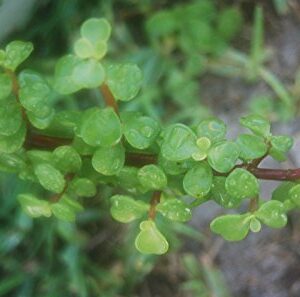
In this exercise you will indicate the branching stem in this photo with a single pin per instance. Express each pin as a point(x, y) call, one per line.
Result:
point(109, 98)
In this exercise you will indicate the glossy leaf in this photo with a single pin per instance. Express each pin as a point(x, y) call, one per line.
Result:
point(241, 184)
point(66, 159)
point(251, 147)
point(16, 52)
point(281, 193)
point(272, 214)
point(214, 129)
point(141, 132)
point(101, 127)
point(150, 240)
point(126, 209)
point(96, 30)
point(50, 178)
point(33, 206)
point(222, 156)
point(82, 187)
point(152, 177)
point(197, 181)
point(220, 194)
point(255, 225)
point(124, 89)
point(203, 144)
point(109, 160)
point(12, 143)
point(179, 143)
point(232, 227)
point(280, 145)
point(34, 93)
point(294, 194)
point(175, 210)
point(257, 124)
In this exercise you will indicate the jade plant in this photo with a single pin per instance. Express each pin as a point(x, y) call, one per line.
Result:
point(152, 171)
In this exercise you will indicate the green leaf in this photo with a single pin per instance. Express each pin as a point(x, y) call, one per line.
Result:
point(82, 187)
point(141, 132)
point(179, 143)
point(272, 214)
point(63, 211)
point(5, 86)
point(40, 122)
point(175, 210)
point(150, 240)
point(280, 145)
point(241, 184)
point(50, 178)
point(10, 117)
point(11, 162)
point(251, 147)
point(101, 127)
point(203, 144)
point(214, 129)
point(34, 93)
point(223, 155)
point(109, 160)
point(88, 74)
point(229, 22)
point(255, 225)
point(281, 192)
point(125, 209)
point(64, 82)
point(257, 124)
point(33, 206)
point(66, 159)
point(15, 53)
point(152, 177)
point(220, 194)
point(85, 49)
point(197, 181)
point(294, 194)
point(12, 143)
point(96, 30)
point(124, 81)
point(231, 227)
point(174, 167)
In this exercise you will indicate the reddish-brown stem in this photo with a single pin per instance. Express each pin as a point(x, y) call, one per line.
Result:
point(109, 98)
point(253, 205)
point(276, 174)
point(154, 201)
point(139, 160)
point(45, 142)
point(57, 197)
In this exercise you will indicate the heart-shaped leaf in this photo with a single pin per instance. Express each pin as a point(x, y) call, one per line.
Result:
point(152, 177)
point(150, 240)
point(272, 214)
point(231, 227)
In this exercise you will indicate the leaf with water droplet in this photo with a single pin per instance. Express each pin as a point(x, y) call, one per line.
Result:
point(272, 214)
point(232, 227)
point(175, 210)
point(214, 129)
point(150, 240)
point(223, 155)
point(141, 131)
point(152, 177)
point(241, 184)
point(198, 180)
point(179, 143)
point(126, 209)
point(220, 195)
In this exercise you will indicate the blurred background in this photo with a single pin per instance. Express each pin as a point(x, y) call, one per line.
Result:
point(199, 58)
